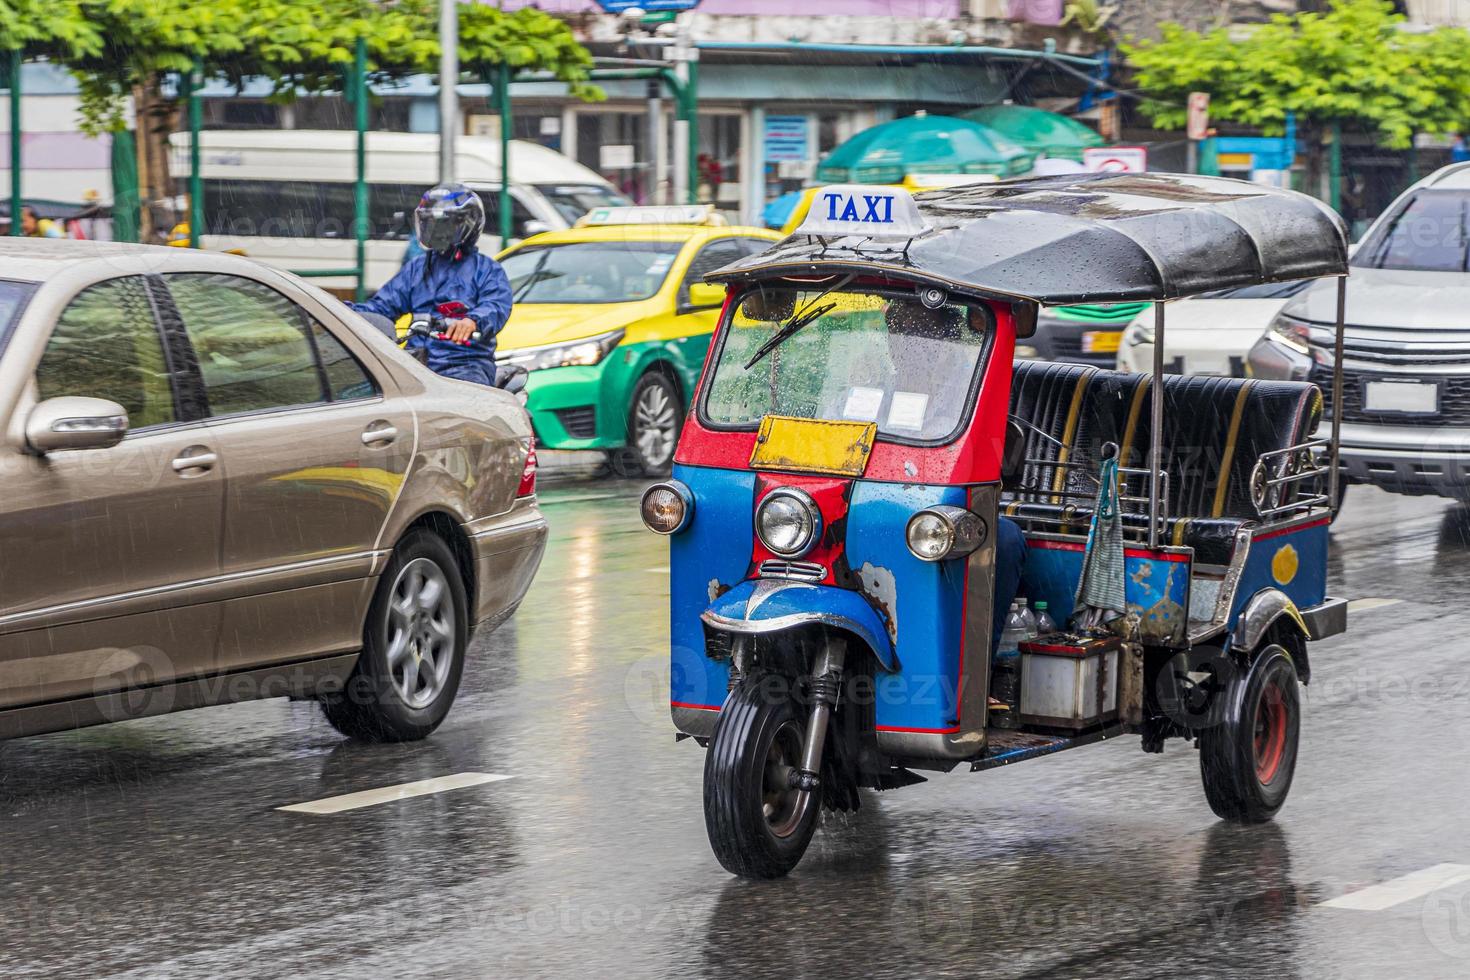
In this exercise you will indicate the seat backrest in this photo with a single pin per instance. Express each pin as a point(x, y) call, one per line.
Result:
point(1214, 430)
point(1048, 398)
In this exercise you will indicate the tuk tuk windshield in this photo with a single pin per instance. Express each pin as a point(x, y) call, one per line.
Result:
point(868, 356)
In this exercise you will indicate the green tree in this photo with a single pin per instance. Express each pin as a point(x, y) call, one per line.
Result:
point(127, 49)
point(1353, 65)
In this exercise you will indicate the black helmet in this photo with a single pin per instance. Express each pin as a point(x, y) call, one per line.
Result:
point(449, 220)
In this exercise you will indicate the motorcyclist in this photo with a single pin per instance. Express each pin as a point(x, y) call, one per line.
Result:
point(451, 270)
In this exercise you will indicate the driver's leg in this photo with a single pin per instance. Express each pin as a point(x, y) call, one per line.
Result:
point(481, 373)
point(1010, 559)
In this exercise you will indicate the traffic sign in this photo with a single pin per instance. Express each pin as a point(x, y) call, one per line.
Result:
point(1116, 159)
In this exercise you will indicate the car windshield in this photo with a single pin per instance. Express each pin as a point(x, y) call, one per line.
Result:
point(13, 297)
point(1430, 233)
point(590, 272)
point(572, 201)
point(865, 356)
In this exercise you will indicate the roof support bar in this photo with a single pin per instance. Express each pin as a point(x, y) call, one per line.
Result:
point(1156, 436)
point(1334, 477)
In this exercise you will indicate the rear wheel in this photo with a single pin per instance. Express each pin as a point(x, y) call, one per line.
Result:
point(1248, 758)
point(759, 827)
point(654, 417)
point(414, 642)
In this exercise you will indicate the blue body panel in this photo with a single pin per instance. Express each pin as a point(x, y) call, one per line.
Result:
point(927, 599)
point(1156, 590)
point(838, 607)
point(1294, 562)
point(709, 557)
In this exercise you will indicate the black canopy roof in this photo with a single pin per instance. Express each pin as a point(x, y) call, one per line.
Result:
point(1086, 238)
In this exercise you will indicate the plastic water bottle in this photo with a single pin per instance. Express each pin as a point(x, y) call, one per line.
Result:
point(1005, 678)
point(1032, 630)
point(1044, 623)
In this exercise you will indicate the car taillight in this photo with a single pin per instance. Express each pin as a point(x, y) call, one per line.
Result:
point(528, 474)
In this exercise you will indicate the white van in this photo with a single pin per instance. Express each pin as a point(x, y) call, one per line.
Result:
point(285, 196)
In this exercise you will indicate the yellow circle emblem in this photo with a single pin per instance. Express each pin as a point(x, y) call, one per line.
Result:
point(1284, 564)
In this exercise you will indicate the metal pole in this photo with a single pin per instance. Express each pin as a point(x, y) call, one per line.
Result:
point(686, 137)
point(1156, 437)
point(360, 202)
point(448, 93)
point(502, 93)
point(12, 65)
point(655, 144)
point(196, 177)
point(1334, 477)
point(692, 94)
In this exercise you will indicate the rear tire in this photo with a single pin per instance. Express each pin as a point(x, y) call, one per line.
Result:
point(1248, 759)
point(414, 644)
point(655, 415)
point(756, 826)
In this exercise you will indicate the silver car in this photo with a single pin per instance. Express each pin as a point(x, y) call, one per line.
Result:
point(1406, 360)
point(221, 484)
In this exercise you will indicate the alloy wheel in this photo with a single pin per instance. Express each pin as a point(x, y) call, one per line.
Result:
point(421, 619)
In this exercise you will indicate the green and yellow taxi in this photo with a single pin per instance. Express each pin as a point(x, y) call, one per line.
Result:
point(613, 320)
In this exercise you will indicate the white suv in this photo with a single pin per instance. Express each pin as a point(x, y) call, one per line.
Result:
point(1406, 360)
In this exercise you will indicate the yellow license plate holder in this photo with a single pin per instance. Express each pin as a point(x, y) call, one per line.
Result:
point(813, 446)
point(1102, 341)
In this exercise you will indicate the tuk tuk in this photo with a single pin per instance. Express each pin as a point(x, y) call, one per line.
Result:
point(866, 474)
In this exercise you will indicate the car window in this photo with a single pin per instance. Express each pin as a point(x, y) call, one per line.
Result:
point(589, 272)
point(1429, 233)
point(254, 350)
point(106, 344)
point(572, 201)
point(346, 378)
point(714, 255)
point(13, 298)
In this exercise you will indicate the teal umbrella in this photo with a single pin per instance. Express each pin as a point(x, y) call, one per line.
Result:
point(923, 144)
point(1037, 130)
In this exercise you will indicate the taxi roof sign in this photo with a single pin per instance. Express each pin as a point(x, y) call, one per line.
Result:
point(669, 214)
point(863, 209)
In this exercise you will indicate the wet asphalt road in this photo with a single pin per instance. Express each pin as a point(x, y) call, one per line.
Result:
point(154, 848)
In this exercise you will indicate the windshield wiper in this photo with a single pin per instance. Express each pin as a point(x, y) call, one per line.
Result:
point(791, 327)
point(533, 278)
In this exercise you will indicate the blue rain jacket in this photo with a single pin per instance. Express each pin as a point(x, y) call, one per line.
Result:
point(425, 281)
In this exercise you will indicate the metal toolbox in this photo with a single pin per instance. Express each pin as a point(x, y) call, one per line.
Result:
point(1069, 682)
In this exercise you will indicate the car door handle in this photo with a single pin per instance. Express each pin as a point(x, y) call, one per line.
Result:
point(379, 434)
point(190, 460)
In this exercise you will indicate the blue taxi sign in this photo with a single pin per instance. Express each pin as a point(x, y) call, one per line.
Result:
point(863, 209)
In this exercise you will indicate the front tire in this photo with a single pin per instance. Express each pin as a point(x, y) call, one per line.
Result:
point(758, 826)
point(413, 652)
point(1248, 758)
point(655, 415)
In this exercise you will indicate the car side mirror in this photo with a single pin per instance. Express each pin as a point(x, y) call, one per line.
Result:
point(1025, 317)
point(534, 227)
point(74, 422)
point(703, 295)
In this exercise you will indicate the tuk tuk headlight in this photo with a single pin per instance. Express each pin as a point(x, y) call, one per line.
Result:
point(788, 522)
point(667, 507)
point(937, 533)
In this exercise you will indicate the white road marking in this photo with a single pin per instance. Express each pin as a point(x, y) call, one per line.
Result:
point(403, 791)
point(1363, 605)
point(1416, 884)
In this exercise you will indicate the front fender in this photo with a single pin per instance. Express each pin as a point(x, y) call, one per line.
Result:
point(771, 605)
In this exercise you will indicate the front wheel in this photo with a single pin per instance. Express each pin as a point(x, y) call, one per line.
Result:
point(413, 647)
point(1248, 757)
point(654, 417)
point(759, 827)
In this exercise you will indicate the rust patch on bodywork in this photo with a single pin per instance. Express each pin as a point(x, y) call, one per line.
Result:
point(880, 588)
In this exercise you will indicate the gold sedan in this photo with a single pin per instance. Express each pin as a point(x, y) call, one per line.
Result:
point(220, 484)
